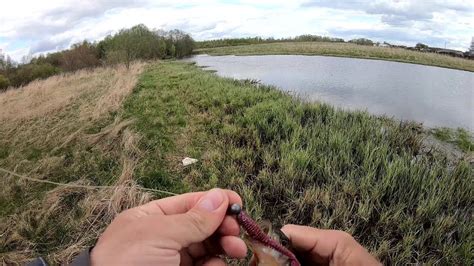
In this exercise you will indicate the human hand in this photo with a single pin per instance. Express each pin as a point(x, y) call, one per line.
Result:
point(187, 229)
point(327, 247)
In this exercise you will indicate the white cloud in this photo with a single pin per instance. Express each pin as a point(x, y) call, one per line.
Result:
point(33, 26)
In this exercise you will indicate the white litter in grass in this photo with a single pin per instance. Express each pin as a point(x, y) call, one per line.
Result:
point(187, 161)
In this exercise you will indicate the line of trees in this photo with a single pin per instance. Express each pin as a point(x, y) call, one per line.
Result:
point(258, 40)
point(136, 43)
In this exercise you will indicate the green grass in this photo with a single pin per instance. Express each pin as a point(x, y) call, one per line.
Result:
point(344, 50)
point(460, 137)
point(311, 164)
point(292, 162)
point(158, 119)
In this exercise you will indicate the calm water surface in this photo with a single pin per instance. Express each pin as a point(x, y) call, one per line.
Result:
point(432, 95)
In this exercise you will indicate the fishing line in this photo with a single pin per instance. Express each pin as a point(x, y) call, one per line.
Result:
point(82, 186)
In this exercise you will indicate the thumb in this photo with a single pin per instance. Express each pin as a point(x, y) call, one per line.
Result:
point(202, 220)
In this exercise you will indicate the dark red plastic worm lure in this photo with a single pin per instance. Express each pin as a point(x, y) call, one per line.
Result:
point(254, 231)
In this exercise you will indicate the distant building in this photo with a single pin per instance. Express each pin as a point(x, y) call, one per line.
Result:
point(450, 52)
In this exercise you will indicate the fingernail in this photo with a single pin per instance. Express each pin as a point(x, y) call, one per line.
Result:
point(212, 200)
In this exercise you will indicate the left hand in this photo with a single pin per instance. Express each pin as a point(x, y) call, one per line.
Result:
point(187, 229)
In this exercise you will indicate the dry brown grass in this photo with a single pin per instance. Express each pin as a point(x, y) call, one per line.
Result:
point(54, 112)
point(43, 125)
point(39, 98)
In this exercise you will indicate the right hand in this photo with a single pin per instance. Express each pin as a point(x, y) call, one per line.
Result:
point(187, 229)
point(327, 247)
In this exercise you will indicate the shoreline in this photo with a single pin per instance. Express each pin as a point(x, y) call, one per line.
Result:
point(429, 130)
point(342, 56)
point(314, 49)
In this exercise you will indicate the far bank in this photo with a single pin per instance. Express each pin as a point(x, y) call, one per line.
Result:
point(344, 50)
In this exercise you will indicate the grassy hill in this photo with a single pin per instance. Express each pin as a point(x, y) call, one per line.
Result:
point(343, 50)
point(291, 162)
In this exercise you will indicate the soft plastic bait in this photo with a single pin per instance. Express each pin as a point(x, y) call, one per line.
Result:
point(256, 233)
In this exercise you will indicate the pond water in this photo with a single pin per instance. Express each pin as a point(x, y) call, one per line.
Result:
point(431, 95)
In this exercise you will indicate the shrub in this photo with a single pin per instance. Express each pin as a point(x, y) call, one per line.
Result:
point(421, 46)
point(131, 44)
point(362, 41)
point(27, 73)
point(80, 56)
point(183, 43)
point(4, 83)
point(114, 57)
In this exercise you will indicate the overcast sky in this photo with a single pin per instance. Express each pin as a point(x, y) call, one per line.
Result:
point(43, 26)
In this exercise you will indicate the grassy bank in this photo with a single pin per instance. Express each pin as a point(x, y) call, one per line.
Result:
point(344, 50)
point(291, 162)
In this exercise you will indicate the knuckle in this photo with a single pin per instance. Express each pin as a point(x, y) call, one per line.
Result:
point(123, 215)
point(346, 246)
point(126, 214)
point(344, 237)
point(341, 255)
